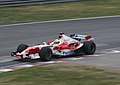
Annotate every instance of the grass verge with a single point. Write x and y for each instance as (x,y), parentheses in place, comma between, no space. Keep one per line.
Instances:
(60,74)
(79,9)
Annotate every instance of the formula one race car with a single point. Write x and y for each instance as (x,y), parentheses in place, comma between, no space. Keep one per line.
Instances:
(62,46)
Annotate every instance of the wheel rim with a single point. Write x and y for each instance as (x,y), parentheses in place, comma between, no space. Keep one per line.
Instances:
(48,55)
(92,48)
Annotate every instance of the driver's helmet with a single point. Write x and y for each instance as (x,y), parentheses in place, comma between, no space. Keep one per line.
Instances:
(56,41)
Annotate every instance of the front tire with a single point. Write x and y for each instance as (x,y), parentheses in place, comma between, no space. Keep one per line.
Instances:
(46,54)
(89,47)
(22,47)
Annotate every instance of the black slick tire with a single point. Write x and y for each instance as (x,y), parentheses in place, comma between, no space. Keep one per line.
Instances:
(46,54)
(89,47)
(22,47)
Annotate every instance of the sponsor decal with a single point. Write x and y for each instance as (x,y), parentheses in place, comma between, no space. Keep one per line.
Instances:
(67,52)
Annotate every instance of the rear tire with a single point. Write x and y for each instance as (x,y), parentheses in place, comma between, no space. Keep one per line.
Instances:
(22,47)
(89,47)
(46,54)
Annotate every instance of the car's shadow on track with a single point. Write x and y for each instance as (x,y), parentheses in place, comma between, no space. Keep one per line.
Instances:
(55,58)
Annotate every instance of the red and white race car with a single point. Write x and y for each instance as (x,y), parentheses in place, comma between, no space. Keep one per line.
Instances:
(63,46)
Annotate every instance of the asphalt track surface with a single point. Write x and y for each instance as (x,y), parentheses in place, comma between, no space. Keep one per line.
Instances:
(106,32)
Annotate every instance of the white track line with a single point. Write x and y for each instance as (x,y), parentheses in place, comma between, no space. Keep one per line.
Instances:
(6,70)
(25,66)
(80,58)
(49,62)
(111,52)
(52,21)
